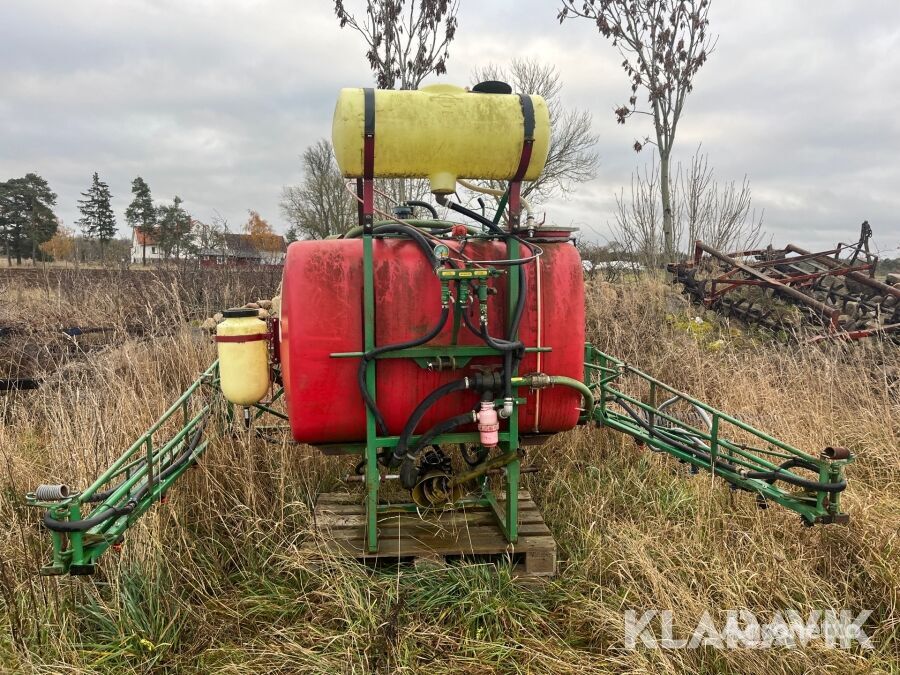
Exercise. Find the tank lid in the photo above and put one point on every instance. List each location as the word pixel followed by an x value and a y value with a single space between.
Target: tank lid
pixel 240 313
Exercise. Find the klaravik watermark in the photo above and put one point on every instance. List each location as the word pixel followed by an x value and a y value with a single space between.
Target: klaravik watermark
pixel 742 629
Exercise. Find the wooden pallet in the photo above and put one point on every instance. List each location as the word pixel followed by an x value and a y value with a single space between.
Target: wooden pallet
pixel 443 536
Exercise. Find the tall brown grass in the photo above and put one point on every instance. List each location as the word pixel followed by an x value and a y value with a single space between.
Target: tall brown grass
pixel 218 580
pixel 50 316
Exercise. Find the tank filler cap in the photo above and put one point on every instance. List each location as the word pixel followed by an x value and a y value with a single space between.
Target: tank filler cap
pixel 492 87
pixel 240 313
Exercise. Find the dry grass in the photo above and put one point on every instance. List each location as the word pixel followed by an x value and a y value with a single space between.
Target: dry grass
pixel 216 581
pixel 107 307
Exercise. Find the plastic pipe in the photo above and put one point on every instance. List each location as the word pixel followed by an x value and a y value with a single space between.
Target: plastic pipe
pixel 564 381
pixel 529 213
pixel 357 230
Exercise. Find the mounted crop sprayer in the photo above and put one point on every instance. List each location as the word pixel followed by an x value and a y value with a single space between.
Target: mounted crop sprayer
pixel 434 350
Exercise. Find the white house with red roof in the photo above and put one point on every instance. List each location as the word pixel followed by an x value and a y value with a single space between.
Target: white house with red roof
pixel 141 241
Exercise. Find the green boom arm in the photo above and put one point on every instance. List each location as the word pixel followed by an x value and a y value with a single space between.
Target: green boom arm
pixel 85 524
pixel 639 405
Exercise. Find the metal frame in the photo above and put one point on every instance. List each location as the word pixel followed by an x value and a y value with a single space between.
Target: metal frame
pixel 792 273
pixel 613 383
pixel 664 432
pixel 457 356
pixel 139 466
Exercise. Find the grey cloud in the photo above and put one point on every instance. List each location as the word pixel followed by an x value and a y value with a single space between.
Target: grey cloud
pixel 215 100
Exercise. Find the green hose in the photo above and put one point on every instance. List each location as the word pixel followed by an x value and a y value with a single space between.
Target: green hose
pixel 565 382
pixel 425 224
pixel 580 386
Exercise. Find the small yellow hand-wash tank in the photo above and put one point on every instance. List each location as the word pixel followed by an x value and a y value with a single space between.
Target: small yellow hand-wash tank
pixel 243 356
pixel 442 133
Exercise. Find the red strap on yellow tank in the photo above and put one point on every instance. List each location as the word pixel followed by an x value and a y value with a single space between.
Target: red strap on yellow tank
pixel 528 122
pixel 368 186
pixel 255 337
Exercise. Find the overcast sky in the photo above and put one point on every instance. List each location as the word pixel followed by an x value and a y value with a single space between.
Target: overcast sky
pixel 214 100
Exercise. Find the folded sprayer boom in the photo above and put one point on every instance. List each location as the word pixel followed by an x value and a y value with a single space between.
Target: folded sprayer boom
pixel 693 432
pixel 83 525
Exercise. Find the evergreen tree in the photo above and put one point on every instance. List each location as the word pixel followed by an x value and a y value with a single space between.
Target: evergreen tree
pixel 26 215
pixel 8 219
pixel 141 214
pixel 174 228
pixel 97 219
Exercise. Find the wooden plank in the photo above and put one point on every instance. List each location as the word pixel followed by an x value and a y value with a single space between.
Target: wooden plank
pixel 359 497
pixel 435 537
pixel 463 545
pixel 348 511
pixel 541 562
pixel 331 520
pixel 428 532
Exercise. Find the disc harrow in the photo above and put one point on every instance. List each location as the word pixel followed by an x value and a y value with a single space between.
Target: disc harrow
pixel 834 293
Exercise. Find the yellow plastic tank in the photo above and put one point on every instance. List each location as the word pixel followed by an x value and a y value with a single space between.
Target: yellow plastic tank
pixel 243 356
pixel 442 133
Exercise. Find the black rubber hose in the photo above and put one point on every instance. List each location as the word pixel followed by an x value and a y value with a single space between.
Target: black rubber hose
pixel 368 356
pixel 474 215
pixel 520 306
pixel 179 461
pixel 424 205
pixel 420 412
pixel 798 462
pixel 115 511
pixel 805 483
pixel 496 229
pixel 415 235
pixel 768 476
pixel 423 244
pixel 408 471
pixel 498 344
pixel 510 343
pixel 88 523
pixel 519 354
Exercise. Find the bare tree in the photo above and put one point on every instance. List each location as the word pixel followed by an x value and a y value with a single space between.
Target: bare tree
pixel 391 192
pixel 321 205
pixel 210 237
pixel 637 226
pixel 572 157
pixel 720 214
pixel 406 40
pixel 663 43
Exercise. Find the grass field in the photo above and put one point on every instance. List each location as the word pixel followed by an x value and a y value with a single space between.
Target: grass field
pixel 216 581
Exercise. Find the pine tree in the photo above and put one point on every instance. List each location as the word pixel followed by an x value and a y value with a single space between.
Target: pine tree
pixel 26 215
pixel 8 220
pixel 174 228
pixel 97 219
pixel 141 214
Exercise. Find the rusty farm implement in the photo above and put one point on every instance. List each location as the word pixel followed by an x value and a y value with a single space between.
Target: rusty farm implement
pixel 834 292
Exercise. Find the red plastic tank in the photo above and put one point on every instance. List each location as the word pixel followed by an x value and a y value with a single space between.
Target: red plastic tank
pixel 322 313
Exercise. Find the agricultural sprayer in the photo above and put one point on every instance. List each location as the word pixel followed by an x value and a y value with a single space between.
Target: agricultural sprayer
pixel 436 351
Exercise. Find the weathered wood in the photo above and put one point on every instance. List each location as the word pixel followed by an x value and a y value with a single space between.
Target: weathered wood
pixel 435 536
pixel 360 497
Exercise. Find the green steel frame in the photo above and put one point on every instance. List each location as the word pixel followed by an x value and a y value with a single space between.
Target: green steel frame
pixel 458 356
pixel 615 382
pixel 140 466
